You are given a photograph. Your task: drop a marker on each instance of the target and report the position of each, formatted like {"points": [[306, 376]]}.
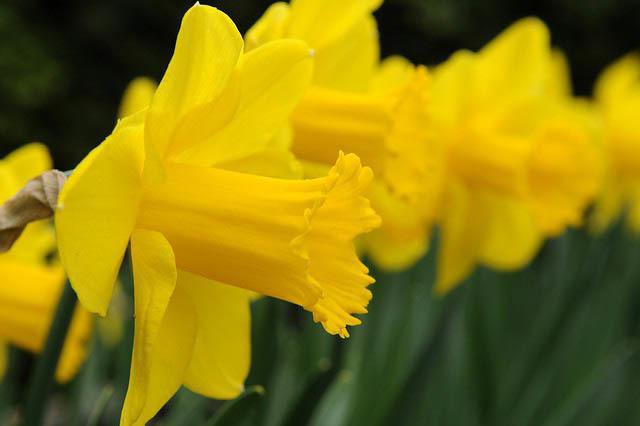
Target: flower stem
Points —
{"points": [[42, 378]]}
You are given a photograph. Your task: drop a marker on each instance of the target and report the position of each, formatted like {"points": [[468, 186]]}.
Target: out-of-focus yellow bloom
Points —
{"points": [[521, 162], [137, 96], [31, 284], [378, 111], [204, 235], [617, 95]]}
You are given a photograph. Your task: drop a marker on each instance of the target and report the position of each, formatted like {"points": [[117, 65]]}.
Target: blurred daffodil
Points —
{"points": [[521, 162], [378, 111], [617, 96], [32, 282], [181, 182]]}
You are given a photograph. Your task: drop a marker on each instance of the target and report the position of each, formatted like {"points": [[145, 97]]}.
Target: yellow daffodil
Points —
{"points": [[617, 95], [521, 163], [32, 284], [378, 111], [174, 181]]}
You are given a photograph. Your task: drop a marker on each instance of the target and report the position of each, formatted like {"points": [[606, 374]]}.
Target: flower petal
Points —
{"points": [[271, 26], [96, 212], [165, 329], [272, 80], [207, 51], [322, 22], [137, 96], [221, 356], [618, 79], [74, 351], [393, 73], [607, 208], [518, 58], [512, 238], [29, 161], [403, 236], [462, 232], [350, 63]]}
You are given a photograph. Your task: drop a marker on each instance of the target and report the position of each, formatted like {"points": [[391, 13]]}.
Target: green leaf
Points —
{"points": [[235, 411]]}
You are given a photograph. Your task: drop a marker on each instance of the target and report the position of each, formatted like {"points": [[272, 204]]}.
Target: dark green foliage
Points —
{"points": [[555, 344]]}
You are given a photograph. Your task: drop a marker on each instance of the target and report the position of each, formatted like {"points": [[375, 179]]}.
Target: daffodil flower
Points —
{"points": [[521, 162], [32, 284], [617, 96], [377, 110], [175, 182]]}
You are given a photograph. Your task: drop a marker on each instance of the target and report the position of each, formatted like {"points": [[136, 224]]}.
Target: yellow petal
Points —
{"points": [[28, 162], [276, 160], [320, 23], [207, 51], [608, 207], [462, 232], [221, 357], [618, 79], [511, 236], [165, 329], [518, 58], [391, 253], [272, 80], [565, 174], [560, 75], [96, 212], [451, 89], [137, 96], [28, 298], [415, 170], [37, 242], [349, 64], [76, 345], [271, 26], [403, 237], [393, 73]]}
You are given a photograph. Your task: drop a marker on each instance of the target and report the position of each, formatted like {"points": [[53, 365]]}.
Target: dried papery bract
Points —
{"points": [[36, 201]]}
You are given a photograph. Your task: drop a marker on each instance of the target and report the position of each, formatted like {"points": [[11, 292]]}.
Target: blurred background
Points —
{"points": [[554, 344]]}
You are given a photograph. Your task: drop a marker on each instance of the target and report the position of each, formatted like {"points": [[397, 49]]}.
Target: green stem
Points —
{"points": [[42, 379]]}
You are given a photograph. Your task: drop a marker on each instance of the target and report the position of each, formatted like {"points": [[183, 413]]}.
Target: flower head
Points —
{"points": [[377, 110], [522, 164], [190, 184]]}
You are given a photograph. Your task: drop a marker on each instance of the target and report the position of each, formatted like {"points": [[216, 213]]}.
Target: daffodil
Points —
{"points": [[175, 182], [521, 163], [32, 284], [617, 96], [377, 110]]}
